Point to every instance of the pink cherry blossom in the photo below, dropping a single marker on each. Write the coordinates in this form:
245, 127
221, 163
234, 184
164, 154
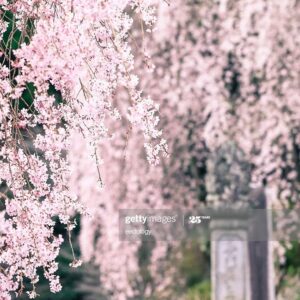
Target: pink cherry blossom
81, 50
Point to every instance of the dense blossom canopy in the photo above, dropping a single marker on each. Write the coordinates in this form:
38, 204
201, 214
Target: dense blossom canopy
224, 71
72, 57
220, 71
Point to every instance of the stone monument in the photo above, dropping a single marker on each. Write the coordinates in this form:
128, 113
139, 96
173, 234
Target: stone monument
239, 263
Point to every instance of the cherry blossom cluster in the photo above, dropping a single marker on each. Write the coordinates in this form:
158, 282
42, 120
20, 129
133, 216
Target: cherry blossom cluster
73, 61
224, 71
